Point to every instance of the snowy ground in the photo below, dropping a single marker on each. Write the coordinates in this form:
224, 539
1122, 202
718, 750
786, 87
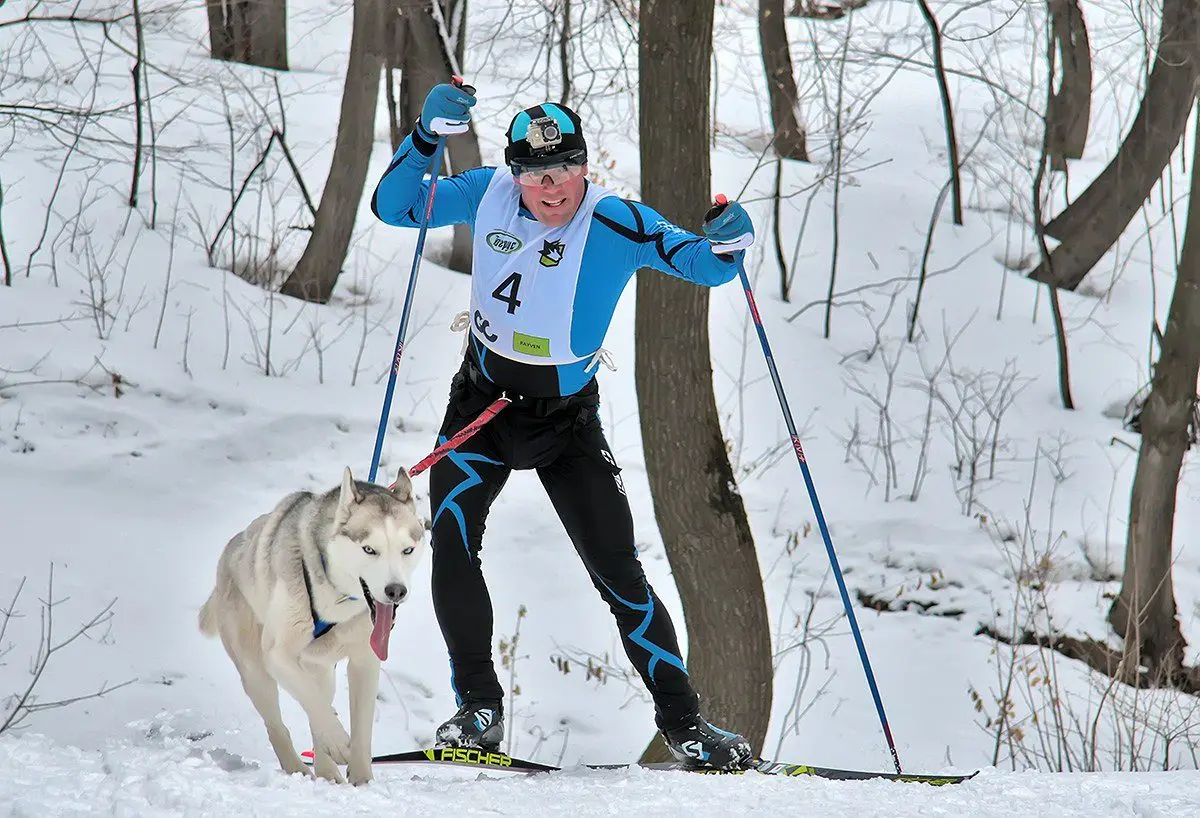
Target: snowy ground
138, 432
177, 780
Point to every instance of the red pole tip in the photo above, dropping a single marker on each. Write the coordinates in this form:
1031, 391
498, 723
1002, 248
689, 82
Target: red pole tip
721, 200
457, 80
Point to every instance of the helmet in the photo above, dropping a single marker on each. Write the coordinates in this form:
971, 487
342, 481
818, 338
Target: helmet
545, 135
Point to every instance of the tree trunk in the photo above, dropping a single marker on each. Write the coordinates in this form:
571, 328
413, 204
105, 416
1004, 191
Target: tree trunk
1093, 222
253, 32
790, 140
458, 13
1070, 106
220, 32
395, 29
317, 273
699, 512
428, 59
1144, 613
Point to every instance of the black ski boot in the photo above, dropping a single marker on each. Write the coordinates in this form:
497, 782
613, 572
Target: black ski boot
476, 724
696, 743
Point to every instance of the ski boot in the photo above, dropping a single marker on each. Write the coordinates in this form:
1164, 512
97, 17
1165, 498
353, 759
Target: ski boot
696, 743
476, 724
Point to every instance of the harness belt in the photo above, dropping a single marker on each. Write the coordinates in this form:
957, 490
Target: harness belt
538, 407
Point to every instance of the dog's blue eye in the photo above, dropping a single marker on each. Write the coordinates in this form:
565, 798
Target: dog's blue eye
369, 550
409, 550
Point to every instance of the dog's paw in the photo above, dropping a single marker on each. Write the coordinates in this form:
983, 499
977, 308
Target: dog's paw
325, 768
291, 763
333, 740
358, 773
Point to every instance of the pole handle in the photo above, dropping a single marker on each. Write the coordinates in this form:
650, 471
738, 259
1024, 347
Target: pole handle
720, 202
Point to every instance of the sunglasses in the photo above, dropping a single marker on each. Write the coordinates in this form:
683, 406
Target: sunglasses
547, 176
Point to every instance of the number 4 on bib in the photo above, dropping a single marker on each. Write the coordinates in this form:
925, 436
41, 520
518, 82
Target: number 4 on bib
511, 284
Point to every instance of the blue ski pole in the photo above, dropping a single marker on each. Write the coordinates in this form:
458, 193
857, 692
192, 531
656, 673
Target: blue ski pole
434, 168
719, 206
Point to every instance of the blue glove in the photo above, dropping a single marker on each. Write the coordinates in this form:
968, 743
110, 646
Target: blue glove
446, 111
728, 227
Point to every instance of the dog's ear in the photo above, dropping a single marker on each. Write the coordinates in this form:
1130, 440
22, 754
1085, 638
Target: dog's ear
402, 488
350, 492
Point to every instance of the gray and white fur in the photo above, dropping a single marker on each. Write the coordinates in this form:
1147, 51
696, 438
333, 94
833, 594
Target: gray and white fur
354, 538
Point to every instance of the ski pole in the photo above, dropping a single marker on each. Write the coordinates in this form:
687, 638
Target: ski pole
434, 168
718, 207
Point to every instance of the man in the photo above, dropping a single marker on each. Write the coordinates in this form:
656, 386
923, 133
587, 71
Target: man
552, 254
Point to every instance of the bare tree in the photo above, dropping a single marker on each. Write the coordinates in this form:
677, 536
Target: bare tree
790, 142
564, 53
1070, 105
249, 31
947, 111
1046, 157
393, 31
424, 44
317, 272
702, 519
1095, 220
24, 702
137, 103
1144, 613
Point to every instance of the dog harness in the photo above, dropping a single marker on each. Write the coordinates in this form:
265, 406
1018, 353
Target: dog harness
320, 626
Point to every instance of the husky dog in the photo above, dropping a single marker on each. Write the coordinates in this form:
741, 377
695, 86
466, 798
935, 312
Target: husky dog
306, 585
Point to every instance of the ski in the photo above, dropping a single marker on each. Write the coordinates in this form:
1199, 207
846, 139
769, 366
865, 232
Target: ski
475, 758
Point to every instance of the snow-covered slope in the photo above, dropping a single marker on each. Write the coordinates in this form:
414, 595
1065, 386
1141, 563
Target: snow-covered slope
138, 429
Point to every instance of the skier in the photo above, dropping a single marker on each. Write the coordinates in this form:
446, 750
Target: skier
552, 254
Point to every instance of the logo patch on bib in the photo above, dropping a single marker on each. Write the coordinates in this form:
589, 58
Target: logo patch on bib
552, 253
531, 345
503, 242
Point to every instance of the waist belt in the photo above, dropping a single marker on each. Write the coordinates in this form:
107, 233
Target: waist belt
540, 407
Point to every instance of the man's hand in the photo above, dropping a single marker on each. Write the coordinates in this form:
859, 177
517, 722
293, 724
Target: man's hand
728, 227
447, 110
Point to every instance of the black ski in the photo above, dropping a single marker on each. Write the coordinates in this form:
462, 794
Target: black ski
484, 760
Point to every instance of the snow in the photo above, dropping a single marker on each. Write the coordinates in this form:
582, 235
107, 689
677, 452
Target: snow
174, 778
138, 433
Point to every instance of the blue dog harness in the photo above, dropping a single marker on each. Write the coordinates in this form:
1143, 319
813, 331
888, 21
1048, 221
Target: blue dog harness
322, 626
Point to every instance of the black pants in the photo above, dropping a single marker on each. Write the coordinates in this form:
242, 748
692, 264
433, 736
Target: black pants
563, 440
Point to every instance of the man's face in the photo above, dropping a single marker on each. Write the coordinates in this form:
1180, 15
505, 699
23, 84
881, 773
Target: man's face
553, 203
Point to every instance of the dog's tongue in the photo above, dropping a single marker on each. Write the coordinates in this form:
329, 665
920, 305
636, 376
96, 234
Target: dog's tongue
382, 630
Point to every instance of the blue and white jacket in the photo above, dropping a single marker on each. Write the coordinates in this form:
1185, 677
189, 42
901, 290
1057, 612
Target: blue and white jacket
622, 237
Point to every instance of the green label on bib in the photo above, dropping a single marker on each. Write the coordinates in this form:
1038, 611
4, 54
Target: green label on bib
531, 345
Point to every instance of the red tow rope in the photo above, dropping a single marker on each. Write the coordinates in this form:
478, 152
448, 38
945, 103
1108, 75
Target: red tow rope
462, 436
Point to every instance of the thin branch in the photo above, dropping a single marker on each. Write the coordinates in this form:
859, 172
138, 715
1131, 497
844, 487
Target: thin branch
23, 703
287, 153
64, 18
3, 246
784, 278
212, 246
924, 274
947, 111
